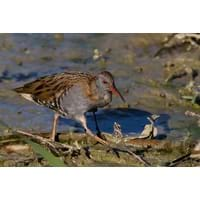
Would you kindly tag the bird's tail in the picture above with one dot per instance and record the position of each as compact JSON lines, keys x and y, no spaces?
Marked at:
{"x":18,"y":90}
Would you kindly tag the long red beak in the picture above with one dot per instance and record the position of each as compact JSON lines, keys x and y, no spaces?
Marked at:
{"x":115,"y":91}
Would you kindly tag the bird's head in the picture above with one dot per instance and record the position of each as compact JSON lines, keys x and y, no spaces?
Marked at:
{"x":106,"y":81}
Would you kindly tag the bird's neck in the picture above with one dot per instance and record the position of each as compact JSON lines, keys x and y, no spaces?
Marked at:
{"x":105,"y":96}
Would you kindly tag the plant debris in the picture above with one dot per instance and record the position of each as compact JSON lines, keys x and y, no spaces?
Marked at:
{"x":26,"y":149}
{"x":178,"y":40}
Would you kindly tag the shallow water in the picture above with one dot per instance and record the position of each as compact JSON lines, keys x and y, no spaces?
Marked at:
{"x":25,"y":57}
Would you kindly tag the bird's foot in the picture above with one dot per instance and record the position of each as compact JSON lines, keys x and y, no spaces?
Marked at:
{"x":100,"y":135}
{"x":97,"y":138}
{"x":52,"y":139}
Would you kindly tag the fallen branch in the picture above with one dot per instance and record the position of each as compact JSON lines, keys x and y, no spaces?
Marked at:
{"x":139,"y":158}
{"x":194,"y":154}
{"x":179,"y":160}
{"x":56,"y":147}
{"x":179,"y":73}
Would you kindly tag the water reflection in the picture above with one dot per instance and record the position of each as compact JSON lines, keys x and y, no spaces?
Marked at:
{"x":132,"y":121}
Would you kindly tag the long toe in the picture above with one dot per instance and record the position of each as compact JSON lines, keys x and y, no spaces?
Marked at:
{"x":100,"y":135}
{"x":98,"y":139}
{"x":52,"y":139}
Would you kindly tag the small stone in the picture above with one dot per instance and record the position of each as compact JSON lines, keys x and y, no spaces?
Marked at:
{"x":59,"y":36}
{"x":20,"y":63}
{"x":162,"y":94}
{"x":26,"y":51}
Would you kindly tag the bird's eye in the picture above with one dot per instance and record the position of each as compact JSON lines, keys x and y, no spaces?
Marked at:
{"x":105,"y":82}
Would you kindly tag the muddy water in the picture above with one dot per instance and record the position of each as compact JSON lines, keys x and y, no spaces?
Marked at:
{"x":139,"y":77}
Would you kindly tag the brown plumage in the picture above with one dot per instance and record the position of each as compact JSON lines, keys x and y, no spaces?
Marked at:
{"x":71,"y":94}
{"x":48,"y":88}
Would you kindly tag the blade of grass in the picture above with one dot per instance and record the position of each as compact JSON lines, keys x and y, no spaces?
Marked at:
{"x":53,"y":160}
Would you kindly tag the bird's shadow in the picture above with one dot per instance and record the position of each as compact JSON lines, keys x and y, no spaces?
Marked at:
{"x":132,"y":121}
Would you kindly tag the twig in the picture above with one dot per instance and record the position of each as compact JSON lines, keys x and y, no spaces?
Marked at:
{"x":125,"y":149}
{"x":178,"y":160}
{"x":53,"y":146}
{"x":56,"y":146}
{"x":142,"y":160}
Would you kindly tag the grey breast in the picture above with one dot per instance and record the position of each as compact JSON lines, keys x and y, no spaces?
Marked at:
{"x":104,"y":99}
{"x":74,"y":102}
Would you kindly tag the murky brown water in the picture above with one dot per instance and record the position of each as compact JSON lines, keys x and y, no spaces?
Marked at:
{"x":139,"y":76}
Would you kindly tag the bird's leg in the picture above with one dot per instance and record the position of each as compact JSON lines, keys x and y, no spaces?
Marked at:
{"x":82,"y":120}
{"x":53,"y":131}
{"x":97,"y":127}
{"x":96,"y":124}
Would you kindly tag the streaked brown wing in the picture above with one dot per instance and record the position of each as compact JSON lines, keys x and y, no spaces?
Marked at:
{"x":50,"y":87}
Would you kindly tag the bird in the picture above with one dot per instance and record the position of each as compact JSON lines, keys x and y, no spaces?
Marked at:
{"x":71,"y":95}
